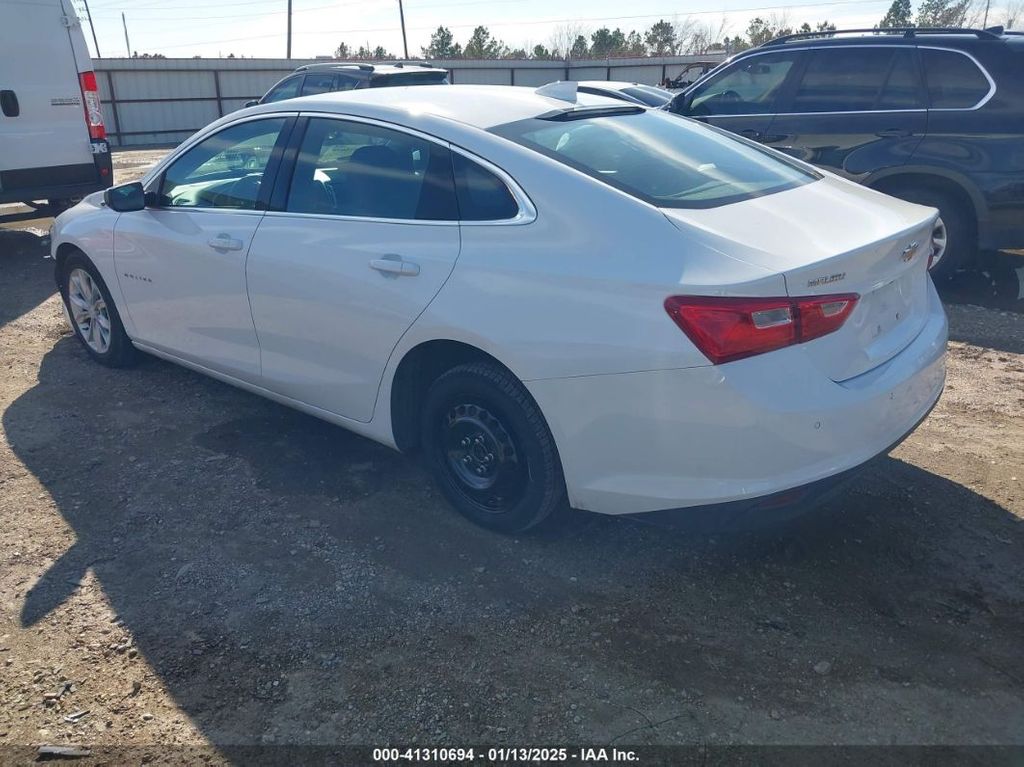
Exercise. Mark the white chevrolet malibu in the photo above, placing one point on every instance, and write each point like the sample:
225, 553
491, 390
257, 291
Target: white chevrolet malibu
558, 300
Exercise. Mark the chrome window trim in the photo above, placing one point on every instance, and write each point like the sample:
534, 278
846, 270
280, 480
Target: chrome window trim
527, 212
984, 100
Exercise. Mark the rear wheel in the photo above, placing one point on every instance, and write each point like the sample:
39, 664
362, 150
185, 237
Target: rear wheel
489, 448
94, 318
954, 238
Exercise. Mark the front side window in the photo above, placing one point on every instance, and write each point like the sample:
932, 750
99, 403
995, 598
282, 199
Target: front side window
954, 81
353, 169
317, 83
223, 171
848, 79
287, 89
659, 158
750, 86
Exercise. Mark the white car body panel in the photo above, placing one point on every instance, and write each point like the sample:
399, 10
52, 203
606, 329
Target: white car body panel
641, 418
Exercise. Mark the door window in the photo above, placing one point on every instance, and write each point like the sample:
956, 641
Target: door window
954, 81
903, 87
346, 83
287, 89
317, 83
224, 170
848, 79
750, 86
353, 169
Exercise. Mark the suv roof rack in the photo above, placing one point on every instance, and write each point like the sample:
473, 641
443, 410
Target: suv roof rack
337, 65
412, 63
985, 34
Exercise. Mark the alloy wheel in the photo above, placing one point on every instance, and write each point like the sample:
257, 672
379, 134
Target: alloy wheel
89, 310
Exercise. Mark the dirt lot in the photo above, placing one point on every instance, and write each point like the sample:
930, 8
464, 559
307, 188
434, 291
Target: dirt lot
192, 564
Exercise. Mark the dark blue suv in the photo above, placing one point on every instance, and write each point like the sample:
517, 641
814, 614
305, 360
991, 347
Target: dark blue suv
934, 116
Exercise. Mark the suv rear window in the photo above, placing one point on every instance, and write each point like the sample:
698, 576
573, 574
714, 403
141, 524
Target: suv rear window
954, 81
659, 158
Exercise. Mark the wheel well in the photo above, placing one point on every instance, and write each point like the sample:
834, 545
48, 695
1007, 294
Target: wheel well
64, 251
895, 184
420, 367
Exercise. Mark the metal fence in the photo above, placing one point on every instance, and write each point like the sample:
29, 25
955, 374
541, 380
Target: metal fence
164, 101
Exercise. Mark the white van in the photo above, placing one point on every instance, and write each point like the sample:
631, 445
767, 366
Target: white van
53, 145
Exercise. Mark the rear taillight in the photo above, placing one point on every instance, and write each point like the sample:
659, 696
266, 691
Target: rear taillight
727, 329
93, 108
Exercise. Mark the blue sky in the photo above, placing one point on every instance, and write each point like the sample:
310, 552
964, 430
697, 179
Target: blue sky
184, 28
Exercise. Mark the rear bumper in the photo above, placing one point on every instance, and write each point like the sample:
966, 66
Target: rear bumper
751, 429
57, 182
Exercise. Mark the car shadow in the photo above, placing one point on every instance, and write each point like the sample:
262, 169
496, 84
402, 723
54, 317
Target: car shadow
290, 582
27, 275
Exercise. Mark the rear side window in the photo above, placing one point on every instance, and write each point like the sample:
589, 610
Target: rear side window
317, 83
482, 195
410, 78
903, 87
659, 158
954, 81
353, 169
855, 79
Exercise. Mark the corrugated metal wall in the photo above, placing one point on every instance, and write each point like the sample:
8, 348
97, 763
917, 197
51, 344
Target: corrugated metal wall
164, 101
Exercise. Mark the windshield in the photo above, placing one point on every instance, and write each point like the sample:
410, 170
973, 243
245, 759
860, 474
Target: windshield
661, 159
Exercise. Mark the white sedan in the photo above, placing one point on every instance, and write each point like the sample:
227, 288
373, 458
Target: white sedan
559, 300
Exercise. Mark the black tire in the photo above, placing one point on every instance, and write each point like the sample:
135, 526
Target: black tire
489, 448
119, 352
961, 228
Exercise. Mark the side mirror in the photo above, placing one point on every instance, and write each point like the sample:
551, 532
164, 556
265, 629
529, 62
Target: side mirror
125, 198
680, 105
252, 103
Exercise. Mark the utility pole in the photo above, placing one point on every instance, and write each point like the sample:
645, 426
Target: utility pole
93, 28
289, 55
401, 15
126, 43
984, 24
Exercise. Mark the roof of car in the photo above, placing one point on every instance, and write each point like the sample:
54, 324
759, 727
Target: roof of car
899, 36
482, 106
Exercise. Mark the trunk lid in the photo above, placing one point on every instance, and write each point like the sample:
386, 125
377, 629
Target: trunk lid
833, 237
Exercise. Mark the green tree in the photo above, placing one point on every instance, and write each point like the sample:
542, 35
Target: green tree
605, 43
482, 46
736, 44
943, 13
634, 45
661, 38
900, 14
442, 45
381, 53
540, 52
343, 51
580, 49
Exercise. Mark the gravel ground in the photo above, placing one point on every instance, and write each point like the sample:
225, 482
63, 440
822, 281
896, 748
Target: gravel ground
190, 564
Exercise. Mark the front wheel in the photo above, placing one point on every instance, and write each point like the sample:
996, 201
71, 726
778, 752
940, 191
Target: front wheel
489, 448
94, 318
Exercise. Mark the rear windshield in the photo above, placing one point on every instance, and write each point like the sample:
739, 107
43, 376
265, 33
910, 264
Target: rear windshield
410, 78
665, 160
652, 97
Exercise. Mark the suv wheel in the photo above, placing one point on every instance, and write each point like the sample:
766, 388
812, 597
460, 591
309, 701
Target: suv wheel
954, 243
94, 317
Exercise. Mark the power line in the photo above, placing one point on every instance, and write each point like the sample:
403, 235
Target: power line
499, 24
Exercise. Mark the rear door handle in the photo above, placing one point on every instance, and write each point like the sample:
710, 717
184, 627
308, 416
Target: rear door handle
224, 242
894, 133
395, 266
750, 133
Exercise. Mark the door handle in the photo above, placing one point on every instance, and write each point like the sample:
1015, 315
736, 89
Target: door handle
224, 242
750, 133
395, 266
894, 133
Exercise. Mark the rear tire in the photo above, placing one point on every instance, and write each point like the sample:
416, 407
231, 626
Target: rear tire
94, 318
956, 222
489, 448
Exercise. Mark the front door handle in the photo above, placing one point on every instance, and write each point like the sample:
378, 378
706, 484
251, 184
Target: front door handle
395, 266
894, 133
224, 242
750, 133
